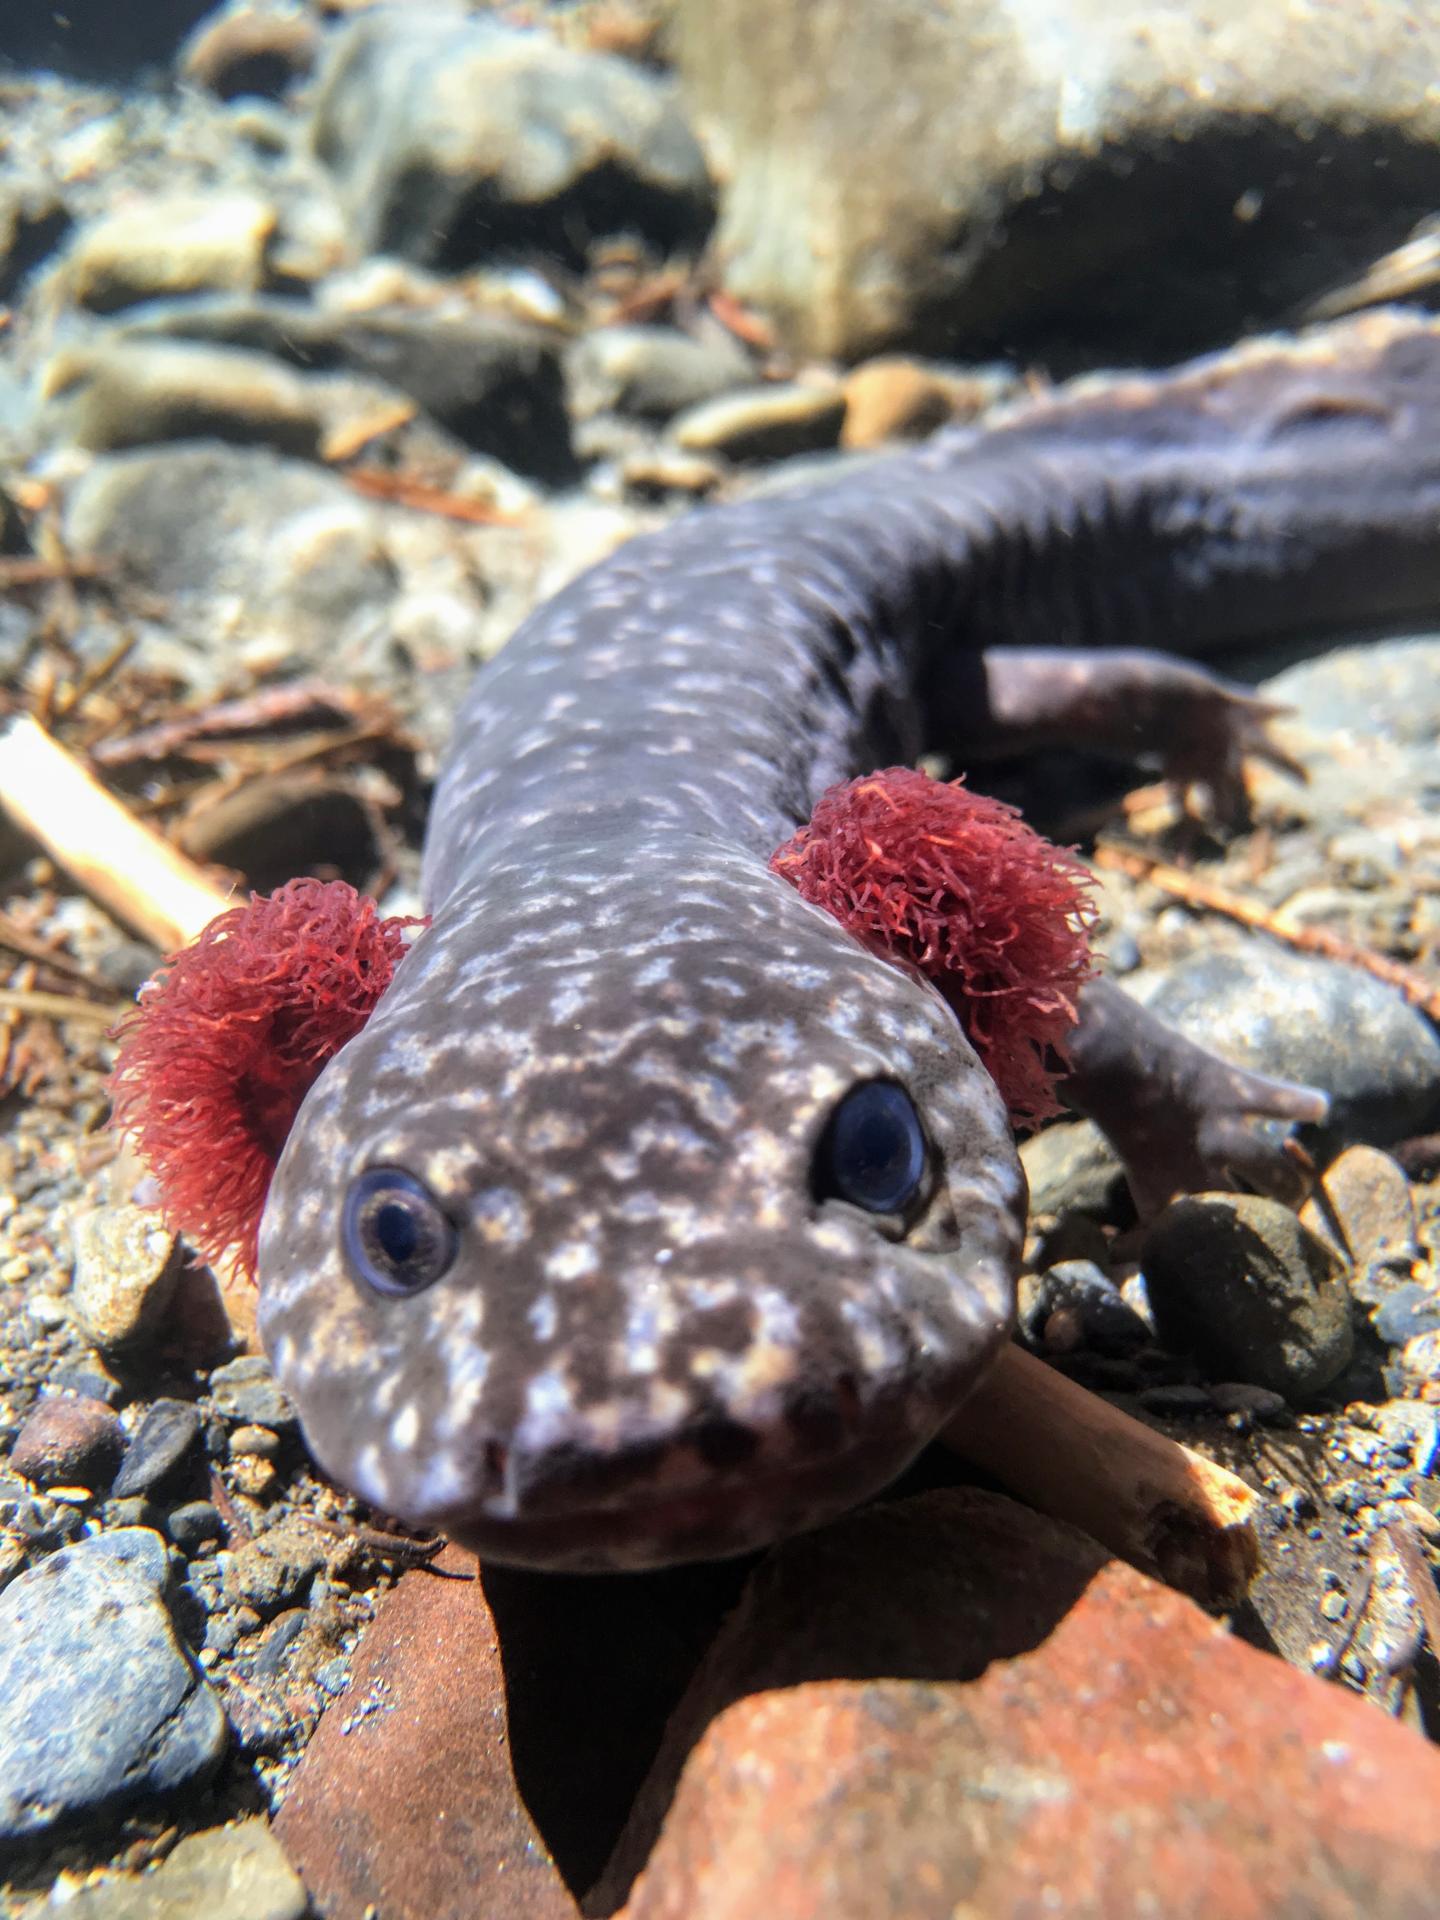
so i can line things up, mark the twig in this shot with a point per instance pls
(300, 701)
(17, 940)
(1195, 891)
(376, 484)
(59, 1006)
(28, 570)
(1162, 1507)
(125, 865)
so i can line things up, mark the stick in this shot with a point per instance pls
(1157, 1504)
(1196, 891)
(129, 868)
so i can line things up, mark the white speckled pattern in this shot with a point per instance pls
(613, 1054)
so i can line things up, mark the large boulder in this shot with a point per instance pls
(992, 175)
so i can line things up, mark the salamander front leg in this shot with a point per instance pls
(1180, 1118)
(1127, 702)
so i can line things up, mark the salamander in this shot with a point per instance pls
(652, 1215)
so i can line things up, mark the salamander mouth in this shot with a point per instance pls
(718, 1520)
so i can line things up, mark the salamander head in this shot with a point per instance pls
(644, 1222)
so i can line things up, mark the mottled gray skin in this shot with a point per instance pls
(613, 1054)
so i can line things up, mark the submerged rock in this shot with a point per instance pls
(452, 140)
(99, 1702)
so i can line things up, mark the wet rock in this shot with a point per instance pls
(33, 222)
(275, 1568)
(246, 1390)
(652, 373)
(1366, 1213)
(165, 1440)
(227, 1873)
(1310, 1020)
(404, 1799)
(1415, 1369)
(67, 1442)
(1095, 172)
(493, 381)
(99, 1702)
(1071, 1167)
(249, 50)
(190, 1526)
(127, 1267)
(1379, 690)
(119, 393)
(568, 143)
(1237, 1281)
(1365, 720)
(1258, 1403)
(243, 536)
(764, 423)
(1406, 1312)
(895, 398)
(166, 245)
(888, 1724)
(1090, 1308)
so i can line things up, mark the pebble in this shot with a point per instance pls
(652, 373)
(764, 423)
(165, 1440)
(275, 1568)
(126, 1268)
(249, 50)
(567, 138)
(245, 1390)
(190, 1526)
(69, 1442)
(132, 393)
(1104, 1320)
(1071, 1168)
(99, 1702)
(1236, 1281)
(1238, 1396)
(280, 544)
(224, 1873)
(1406, 1312)
(1310, 1020)
(1368, 1216)
(168, 245)
(1416, 1368)
(894, 397)
(494, 381)
(405, 1736)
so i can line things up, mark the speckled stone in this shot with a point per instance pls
(126, 1270)
(99, 1702)
(1310, 1020)
(245, 1390)
(227, 1873)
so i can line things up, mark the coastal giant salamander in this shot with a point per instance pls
(652, 1216)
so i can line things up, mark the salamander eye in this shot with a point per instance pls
(397, 1237)
(873, 1151)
